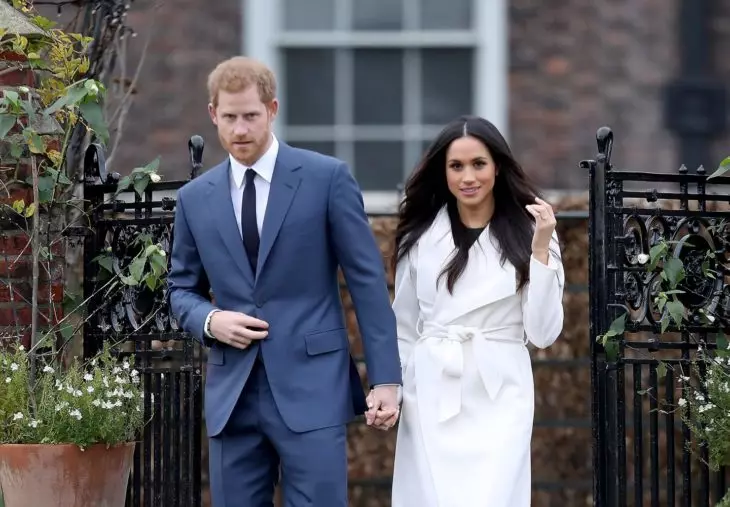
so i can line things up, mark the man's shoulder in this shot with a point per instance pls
(319, 162)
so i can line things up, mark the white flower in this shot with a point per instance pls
(125, 365)
(14, 367)
(78, 394)
(116, 370)
(47, 369)
(21, 348)
(8, 380)
(97, 402)
(90, 389)
(682, 402)
(17, 416)
(88, 377)
(33, 423)
(23, 89)
(75, 413)
(134, 373)
(155, 177)
(643, 258)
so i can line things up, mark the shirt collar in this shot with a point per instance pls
(264, 166)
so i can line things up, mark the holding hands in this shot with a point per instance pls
(383, 407)
(544, 228)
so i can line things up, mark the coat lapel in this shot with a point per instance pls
(284, 185)
(483, 282)
(221, 207)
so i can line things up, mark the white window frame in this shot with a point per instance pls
(263, 37)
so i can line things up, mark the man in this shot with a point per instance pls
(266, 230)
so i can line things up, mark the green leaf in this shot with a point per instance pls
(661, 370)
(19, 206)
(7, 122)
(723, 168)
(673, 271)
(29, 210)
(136, 268)
(123, 184)
(106, 262)
(12, 97)
(611, 349)
(35, 143)
(46, 185)
(159, 264)
(16, 150)
(656, 253)
(676, 312)
(73, 95)
(140, 184)
(92, 113)
(151, 282)
(617, 326)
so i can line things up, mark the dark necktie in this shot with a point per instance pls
(249, 226)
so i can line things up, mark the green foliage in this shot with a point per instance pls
(97, 402)
(51, 401)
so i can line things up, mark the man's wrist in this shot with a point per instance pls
(206, 328)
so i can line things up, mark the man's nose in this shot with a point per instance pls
(240, 128)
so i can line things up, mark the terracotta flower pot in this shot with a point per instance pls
(39, 475)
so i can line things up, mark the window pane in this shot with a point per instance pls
(446, 78)
(309, 14)
(451, 15)
(377, 14)
(323, 147)
(310, 86)
(379, 164)
(378, 86)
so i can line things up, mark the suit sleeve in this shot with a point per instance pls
(542, 298)
(187, 282)
(405, 306)
(362, 265)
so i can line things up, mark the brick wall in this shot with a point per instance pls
(16, 272)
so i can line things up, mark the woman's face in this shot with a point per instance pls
(470, 173)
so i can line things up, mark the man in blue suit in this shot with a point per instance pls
(266, 230)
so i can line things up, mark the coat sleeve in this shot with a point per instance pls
(542, 298)
(405, 306)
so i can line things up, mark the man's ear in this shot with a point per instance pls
(273, 109)
(211, 112)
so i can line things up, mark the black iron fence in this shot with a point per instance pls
(643, 452)
(167, 461)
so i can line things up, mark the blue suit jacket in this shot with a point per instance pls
(314, 223)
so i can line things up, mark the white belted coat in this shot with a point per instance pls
(468, 394)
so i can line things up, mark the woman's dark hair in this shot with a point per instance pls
(426, 192)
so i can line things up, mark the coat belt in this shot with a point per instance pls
(446, 345)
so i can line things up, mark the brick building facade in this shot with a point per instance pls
(572, 67)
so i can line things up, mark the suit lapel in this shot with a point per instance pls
(284, 185)
(221, 206)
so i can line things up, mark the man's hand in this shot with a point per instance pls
(237, 329)
(383, 408)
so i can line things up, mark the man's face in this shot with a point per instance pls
(244, 123)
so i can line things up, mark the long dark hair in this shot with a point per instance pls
(426, 193)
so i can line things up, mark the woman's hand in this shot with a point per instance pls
(544, 228)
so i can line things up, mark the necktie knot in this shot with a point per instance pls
(250, 175)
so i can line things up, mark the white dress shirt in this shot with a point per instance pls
(264, 168)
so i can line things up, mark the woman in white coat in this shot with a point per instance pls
(478, 277)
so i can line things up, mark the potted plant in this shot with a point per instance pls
(67, 434)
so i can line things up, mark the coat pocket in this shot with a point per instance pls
(216, 355)
(325, 341)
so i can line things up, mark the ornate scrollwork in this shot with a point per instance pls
(134, 309)
(700, 246)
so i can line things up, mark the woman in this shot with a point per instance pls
(478, 276)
